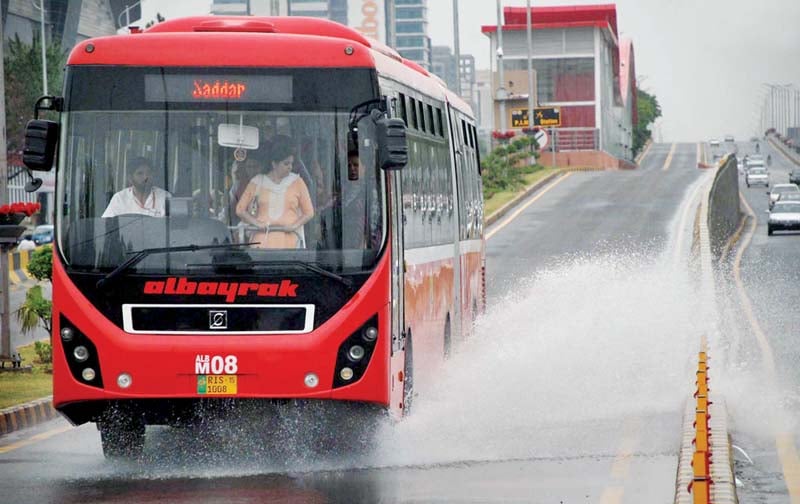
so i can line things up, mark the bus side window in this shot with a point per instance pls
(413, 108)
(401, 102)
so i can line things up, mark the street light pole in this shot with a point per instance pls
(5, 326)
(44, 45)
(501, 89)
(457, 47)
(531, 105)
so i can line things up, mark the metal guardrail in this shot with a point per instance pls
(575, 139)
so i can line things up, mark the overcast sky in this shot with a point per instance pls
(705, 60)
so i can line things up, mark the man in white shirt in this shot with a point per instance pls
(142, 197)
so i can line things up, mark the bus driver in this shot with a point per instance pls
(142, 197)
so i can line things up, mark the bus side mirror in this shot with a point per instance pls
(41, 138)
(392, 143)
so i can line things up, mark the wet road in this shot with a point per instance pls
(761, 355)
(572, 390)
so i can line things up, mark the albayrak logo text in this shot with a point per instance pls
(229, 290)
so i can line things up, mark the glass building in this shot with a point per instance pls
(411, 31)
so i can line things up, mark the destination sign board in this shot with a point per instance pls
(544, 117)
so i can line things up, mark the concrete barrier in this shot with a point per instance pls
(724, 213)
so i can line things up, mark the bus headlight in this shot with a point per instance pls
(67, 334)
(88, 374)
(356, 353)
(80, 353)
(370, 334)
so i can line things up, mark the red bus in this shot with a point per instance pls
(232, 222)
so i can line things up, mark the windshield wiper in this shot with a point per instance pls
(140, 255)
(309, 267)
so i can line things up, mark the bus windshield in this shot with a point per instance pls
(294, 178)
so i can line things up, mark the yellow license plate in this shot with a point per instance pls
(217, 384)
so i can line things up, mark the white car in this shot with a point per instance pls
(784, 216)
(778, 190)
(713, 143)
(757, 176)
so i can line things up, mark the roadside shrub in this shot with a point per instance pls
(504, 167)
(41, 263)
(44, 351)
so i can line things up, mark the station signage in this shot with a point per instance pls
(368, 17)
(544, 117)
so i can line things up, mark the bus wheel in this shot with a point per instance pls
(121, 434)
(448, 340)
(408, 377)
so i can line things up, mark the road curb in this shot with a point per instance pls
(723, 487)
(26, 415)
(500, 212)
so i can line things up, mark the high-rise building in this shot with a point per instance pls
(335, 10)
(250, 7)
(411, 31)
(68, 21)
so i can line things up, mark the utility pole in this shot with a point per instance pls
(44, 45)
(457, 47)
(5, 327)
(531, 104)
(501, 89)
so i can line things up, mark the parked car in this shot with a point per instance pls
(729, 138)
(794, 176)
(713, 142)
(756, 176)
(778, 190)
(784, 216)
(43, 234)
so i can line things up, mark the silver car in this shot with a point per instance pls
(784, 216)
(756, 176)
(778, 190)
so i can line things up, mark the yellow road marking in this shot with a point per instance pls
(621, 467)
(784, 441)
(34, 439)
(645, 153)
(791, 464)
(668, 161)
(530, 202)
(612, 495)
(763, 343)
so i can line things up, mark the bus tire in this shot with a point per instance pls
(408, 376)
(121, 434)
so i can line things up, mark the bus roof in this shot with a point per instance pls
(253, 41)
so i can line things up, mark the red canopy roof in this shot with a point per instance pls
(602, 16)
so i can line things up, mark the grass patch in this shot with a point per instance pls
(501, 198)
(17, 388)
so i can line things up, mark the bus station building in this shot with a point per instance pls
(582, 68)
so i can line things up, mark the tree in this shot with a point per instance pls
(36, 309)
(23, 76)
(649, 110)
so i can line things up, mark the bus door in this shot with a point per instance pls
(398, 262)
(457, 155)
